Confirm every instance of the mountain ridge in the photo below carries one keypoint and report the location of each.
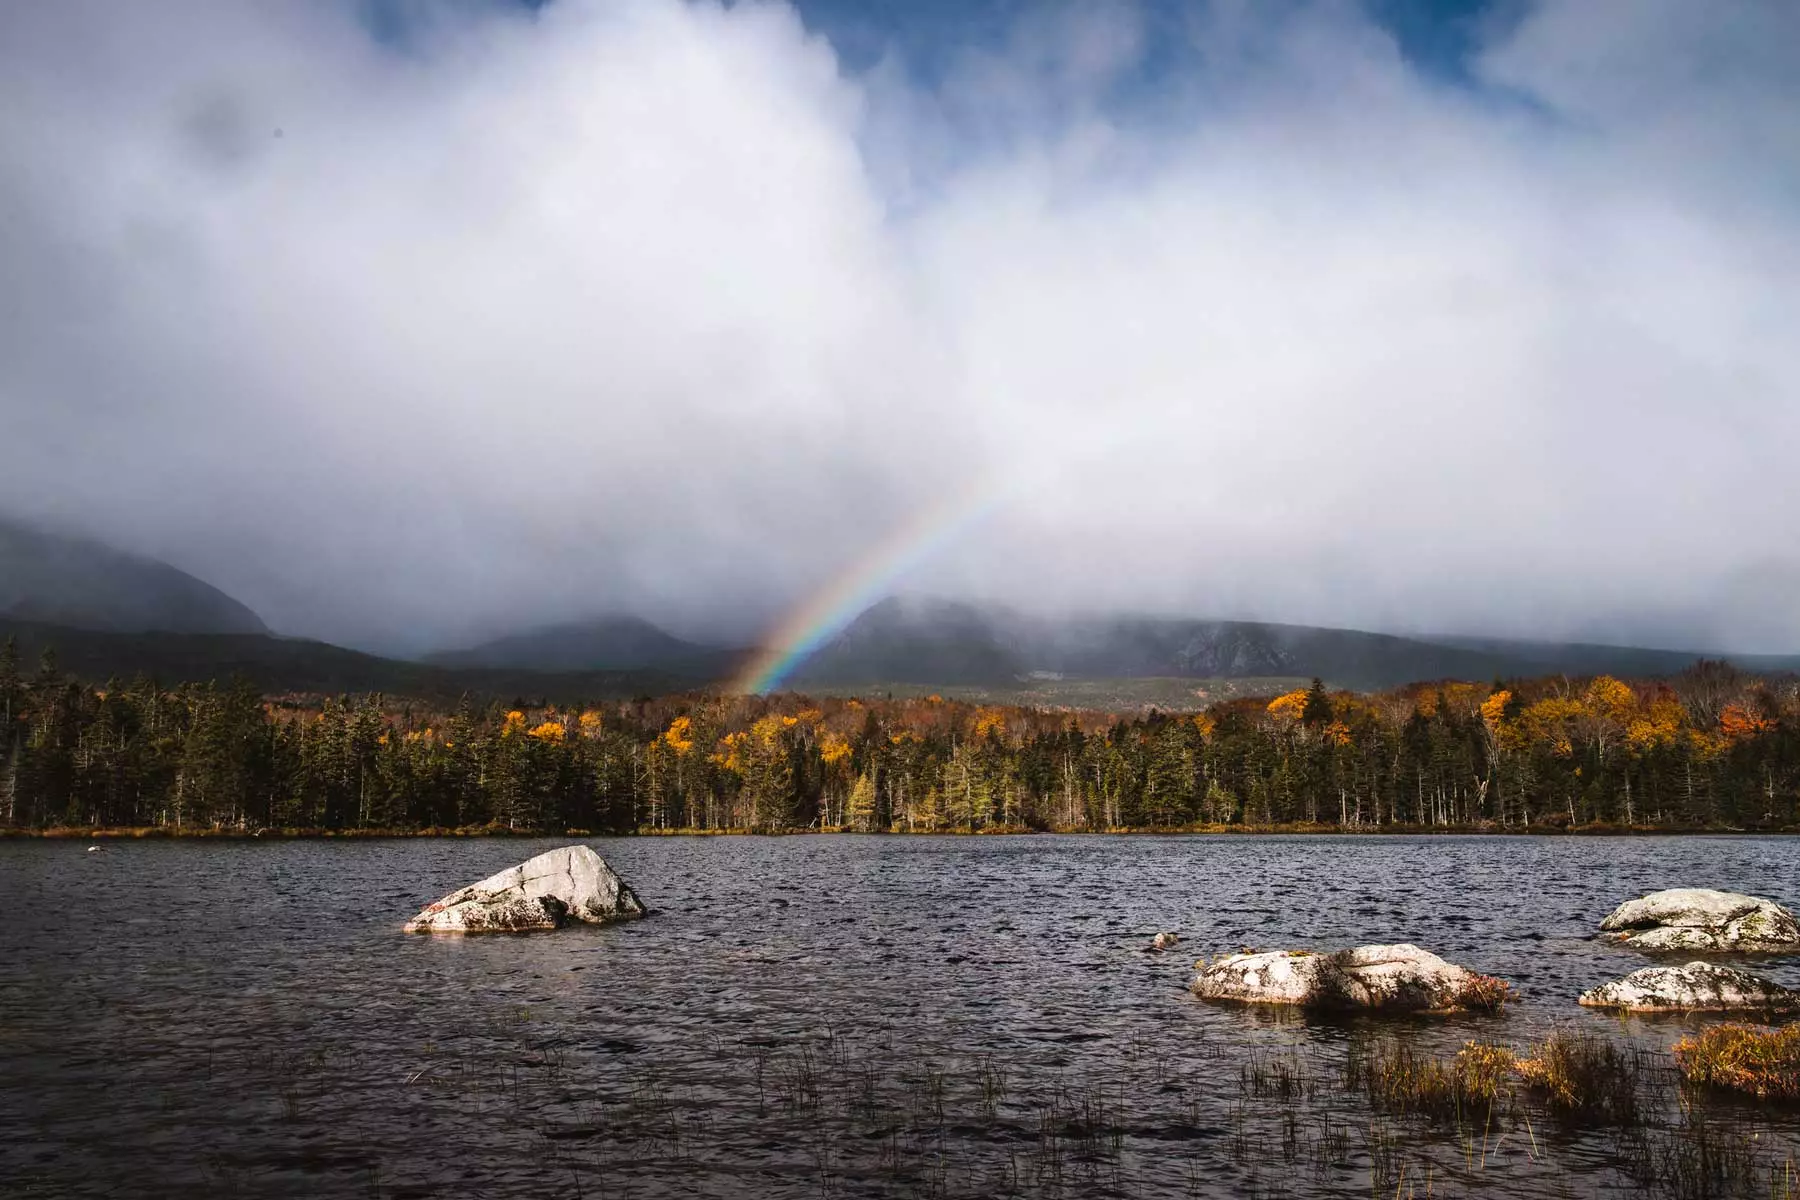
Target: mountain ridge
(77, 582)
(277, 665)
(901, 642)
(617, 642)
(908, 640)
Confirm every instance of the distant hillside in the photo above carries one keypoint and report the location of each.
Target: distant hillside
(1093, 695)
(60, 580)
(925, 642)
(901, 646)
(1591, 658)
(619, 643)
(276, 665)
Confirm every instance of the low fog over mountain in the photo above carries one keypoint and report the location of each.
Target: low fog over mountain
(115, 614)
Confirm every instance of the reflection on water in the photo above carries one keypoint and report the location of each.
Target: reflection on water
(811, 1016)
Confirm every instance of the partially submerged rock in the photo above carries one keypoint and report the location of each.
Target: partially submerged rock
(1696, 987)
(1164, 941)
(1704, 920)
(1402, 978)
(569, 884)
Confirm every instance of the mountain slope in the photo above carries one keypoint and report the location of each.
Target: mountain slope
(609, 643)
(55, 579)
(1596, 658)
(274, 664)
(924, 642)
(919, 641)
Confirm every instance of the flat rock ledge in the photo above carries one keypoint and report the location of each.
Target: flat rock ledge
(1400, 978)
(1699, 919)
(569, 884)
(1696, 987)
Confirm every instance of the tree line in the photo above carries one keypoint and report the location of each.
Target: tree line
(1711, 748)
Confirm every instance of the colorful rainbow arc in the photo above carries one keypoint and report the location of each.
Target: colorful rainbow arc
(868, 579)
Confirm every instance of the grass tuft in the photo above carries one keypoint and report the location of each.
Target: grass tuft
(1484, 993)
(1764, 1063)
(1471, 1084)
(1584, 1079)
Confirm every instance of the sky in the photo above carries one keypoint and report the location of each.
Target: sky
(410, 321)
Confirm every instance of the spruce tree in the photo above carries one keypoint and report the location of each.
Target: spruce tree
(1317, 710)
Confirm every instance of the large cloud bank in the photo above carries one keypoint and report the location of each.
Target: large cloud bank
(656, 305)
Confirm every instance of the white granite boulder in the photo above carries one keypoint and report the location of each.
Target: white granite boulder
(1704, 920)
(1401, 978)
(569, 884)
(1696, 987)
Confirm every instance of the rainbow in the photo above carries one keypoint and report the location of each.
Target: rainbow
(868, 579)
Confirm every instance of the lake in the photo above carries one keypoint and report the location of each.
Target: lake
(805, 1017)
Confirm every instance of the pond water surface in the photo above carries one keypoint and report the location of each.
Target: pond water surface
(803, 1016)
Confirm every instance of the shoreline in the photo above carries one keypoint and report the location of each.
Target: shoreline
(158, 833)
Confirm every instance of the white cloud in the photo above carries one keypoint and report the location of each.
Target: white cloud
(651, 303)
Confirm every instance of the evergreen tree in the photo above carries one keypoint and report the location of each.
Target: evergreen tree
(1317, 710)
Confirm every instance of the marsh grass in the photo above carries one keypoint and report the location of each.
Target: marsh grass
(1367, 1110)
(1484, 993)
(1282, 1076)
(1467, 1087)
(1764, 1063)
(1584, 1079)
(1704, 1157)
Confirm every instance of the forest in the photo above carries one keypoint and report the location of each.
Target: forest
(1711, 748)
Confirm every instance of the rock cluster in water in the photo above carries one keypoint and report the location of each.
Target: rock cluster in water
(574, 884)
(1699, 919)
(1696, 987)
(1402, 978)
(569, 884)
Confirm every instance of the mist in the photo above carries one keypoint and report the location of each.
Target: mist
(406, 333)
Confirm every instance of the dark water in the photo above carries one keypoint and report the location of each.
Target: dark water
(808, 1016)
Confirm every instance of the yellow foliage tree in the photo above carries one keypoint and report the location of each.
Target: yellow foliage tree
(1289, 707)
(834, 749)
(730, 752)
(1547, 723)
(680, 735)
(860, 811)
(1658, 726)
(1610, 698)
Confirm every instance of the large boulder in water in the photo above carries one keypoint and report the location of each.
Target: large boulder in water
(1696, 987)
(1401, 978)
(570, 884)
(1705, 920)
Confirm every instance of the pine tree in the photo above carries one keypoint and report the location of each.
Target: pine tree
(11, 688)
(1317, 710)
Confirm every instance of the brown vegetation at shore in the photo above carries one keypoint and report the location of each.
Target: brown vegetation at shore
(1764, 1063)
